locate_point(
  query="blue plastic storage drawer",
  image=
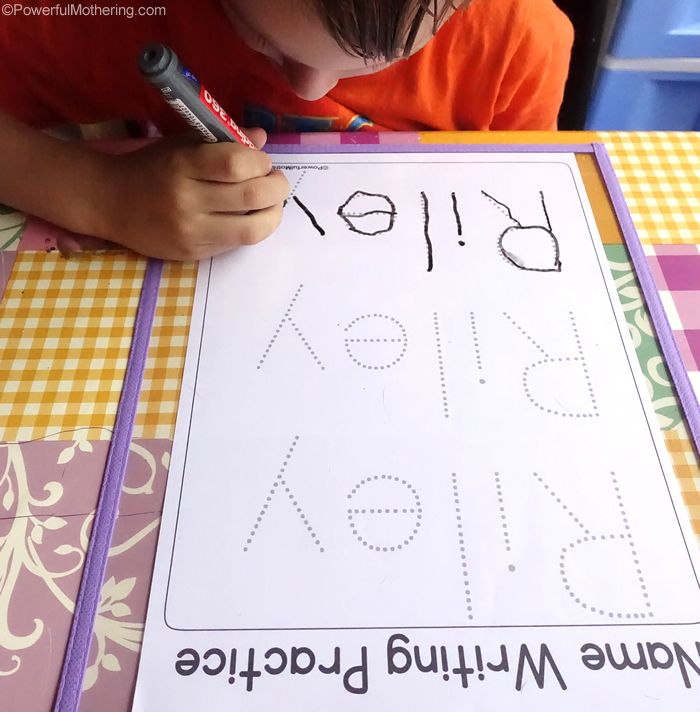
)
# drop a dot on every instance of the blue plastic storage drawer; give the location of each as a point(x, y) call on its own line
point(657, 28)
point(645, 101)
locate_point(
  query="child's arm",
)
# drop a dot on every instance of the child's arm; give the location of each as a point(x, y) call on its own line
point(173, 199)
point(532, 84)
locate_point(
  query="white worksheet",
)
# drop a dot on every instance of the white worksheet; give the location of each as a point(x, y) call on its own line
point(415, 465)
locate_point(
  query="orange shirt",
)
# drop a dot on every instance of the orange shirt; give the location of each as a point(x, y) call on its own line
point(501, 64)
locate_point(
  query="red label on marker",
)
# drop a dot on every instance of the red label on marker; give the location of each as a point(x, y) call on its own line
point(213, 105)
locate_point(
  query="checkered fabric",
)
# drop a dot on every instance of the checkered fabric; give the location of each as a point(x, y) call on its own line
point(160, 392)
point(659, 174)
point(676, 270)
point(65, 331)
point(685, 465)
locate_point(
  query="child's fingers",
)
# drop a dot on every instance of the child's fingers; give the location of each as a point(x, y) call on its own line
point(254, 194)
point(230, 231)
point(257, 136)
point(226, 163)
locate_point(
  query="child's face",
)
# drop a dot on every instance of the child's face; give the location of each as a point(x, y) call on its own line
point(292, 37)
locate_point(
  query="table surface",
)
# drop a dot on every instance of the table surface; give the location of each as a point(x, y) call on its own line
point(65, 327)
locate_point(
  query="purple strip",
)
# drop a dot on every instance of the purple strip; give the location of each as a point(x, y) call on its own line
point(664, 332)
point(285, 138)
point(432, 148)
point(361, 138)
point(78, 648)
point(404, 137)
point(311, 139)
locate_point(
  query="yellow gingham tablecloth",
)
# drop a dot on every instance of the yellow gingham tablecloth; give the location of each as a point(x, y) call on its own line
point(660, 177)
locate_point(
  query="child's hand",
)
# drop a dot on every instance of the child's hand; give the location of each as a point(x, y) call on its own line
point(186, 201)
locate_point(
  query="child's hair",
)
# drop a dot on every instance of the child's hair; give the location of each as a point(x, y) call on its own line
point(380, 29)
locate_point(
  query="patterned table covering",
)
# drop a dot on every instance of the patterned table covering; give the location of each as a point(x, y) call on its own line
point(65, 328)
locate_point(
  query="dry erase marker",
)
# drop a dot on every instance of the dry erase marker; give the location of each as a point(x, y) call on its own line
point(186, 95)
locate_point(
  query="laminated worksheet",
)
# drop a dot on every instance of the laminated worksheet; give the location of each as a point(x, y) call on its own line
point(416, 465)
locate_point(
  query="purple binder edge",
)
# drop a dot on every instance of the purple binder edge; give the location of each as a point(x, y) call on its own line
point(78, 647)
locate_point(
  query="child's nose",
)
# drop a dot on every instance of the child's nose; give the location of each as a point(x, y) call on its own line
point(307, 82)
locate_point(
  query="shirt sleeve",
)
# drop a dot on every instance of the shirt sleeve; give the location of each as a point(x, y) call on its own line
point(56, 70)
point(16, 73)
point(535, 73)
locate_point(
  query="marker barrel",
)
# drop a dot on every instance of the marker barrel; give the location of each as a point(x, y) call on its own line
point(186, 95)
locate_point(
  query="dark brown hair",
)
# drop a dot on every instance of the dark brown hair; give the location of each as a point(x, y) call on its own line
point(380, 29)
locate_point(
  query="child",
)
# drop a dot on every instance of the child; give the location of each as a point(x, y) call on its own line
point(282, 65)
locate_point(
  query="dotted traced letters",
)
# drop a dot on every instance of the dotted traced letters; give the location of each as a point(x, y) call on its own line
point(441, 366)
point(281, 483)
point(588, 537)
point(386, 356)
point(502, 514)
point(462, 547)
point(477, 348)
point(415, 511)
point(549, 359)
point(287, 319)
